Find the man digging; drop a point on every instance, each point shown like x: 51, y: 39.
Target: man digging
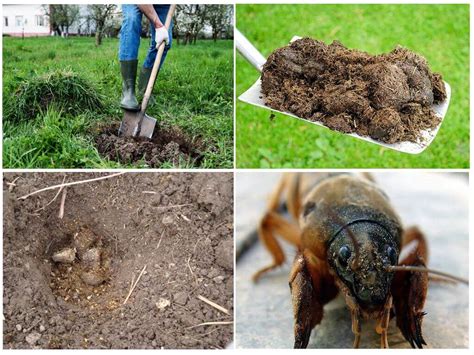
x: 130, y: 42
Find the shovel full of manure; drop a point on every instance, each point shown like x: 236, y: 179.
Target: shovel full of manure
x: 392, y: 99
x: 139, y: 123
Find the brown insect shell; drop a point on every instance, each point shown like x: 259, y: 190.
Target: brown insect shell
x: 338, y: 202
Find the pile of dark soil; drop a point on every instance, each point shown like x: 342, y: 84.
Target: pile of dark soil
x: 387, y: 97
x: 66, y: 280
x: 168, y: 144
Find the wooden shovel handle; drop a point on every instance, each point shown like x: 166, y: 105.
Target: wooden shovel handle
x: 156, y: 65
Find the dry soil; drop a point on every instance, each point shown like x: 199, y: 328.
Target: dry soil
x: 178, y: 225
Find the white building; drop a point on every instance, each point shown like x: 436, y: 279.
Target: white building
x: 31, y: 20
x: 25, y: 20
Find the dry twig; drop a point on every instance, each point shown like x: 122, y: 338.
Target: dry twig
x: 69, y: 184
x: 174, y: 206
x: 54, y: 198
x: 134, y: 285
x: 63, y: 201
x: 159, y: 242
x: 211, y: 323
x: 213, y: 304
x: 192, y: 273
x: 12, y: 185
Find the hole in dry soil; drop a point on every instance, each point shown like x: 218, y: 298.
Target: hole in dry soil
x: 80, y: 269
x: 168, y: 144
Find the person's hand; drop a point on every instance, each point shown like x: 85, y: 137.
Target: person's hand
x: 161, y: 35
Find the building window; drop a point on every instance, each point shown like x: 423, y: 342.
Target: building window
x: 5, y: 21
x: 19, y: 21
x: 39, y: 20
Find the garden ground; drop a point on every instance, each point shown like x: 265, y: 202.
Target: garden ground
x: 194, y: 96
x: 170, y: 235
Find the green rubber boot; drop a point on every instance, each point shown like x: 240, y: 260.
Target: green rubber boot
x: 143, y: 78
x: 129, y: 75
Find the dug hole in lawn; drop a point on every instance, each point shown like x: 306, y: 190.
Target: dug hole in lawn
x: 387, y: 97
x: 128, y: 265
x: 168, y: 144
x: 73, y: 94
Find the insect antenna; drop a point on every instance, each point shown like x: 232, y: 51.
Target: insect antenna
x: 425, y: 269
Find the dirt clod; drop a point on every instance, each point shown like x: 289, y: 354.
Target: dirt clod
x: 180, y: 298
x: 92, y: 278
x: 33, y: 338
x: 167, y: 219
x: 168, y: 144
x: 91, y: 258
x: 225, y: 254
x: 72, y: 283
x: 67, y: 255
x: 162, y: 303
x: 354, y: 92
x: 83, y: 240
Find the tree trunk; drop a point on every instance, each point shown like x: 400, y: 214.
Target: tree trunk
x: 98, y: 37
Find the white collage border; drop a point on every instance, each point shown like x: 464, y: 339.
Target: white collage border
x: 235, y: 171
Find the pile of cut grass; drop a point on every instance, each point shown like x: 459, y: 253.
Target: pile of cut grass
x: 61, y: 88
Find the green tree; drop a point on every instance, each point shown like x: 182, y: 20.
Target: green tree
x: 102, y: 16
x: 62, y: 17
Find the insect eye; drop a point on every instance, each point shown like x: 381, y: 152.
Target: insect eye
x: 392, y: 255
x: 344, y: 255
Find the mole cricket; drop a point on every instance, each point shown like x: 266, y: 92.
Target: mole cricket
x: 349, y: 240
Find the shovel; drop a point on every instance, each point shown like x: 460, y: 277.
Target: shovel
x: 139, y: 123
x: 255, y: 97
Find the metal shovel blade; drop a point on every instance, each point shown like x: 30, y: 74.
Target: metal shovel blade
x: 254, y: 96
x: 130, y: 126
x: 148, y: 126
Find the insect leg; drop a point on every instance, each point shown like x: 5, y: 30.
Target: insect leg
x: 409, y: 289
x: 311, y: 287
x: 271, y: 224
x: 293, y: 199
x: 382, y: 325
x: 355, y: 315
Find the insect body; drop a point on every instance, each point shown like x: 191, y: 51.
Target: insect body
x: 349, y: 240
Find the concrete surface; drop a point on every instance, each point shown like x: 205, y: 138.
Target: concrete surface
x: 436, y: 202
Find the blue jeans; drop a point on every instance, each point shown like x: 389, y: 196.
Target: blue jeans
x: 131, y: 30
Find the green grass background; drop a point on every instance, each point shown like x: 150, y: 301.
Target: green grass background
x: 194, y: 91
x: 438, y: 32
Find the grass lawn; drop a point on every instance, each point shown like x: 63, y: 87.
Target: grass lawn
x: 194, y: 91
x: 438, y: 32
